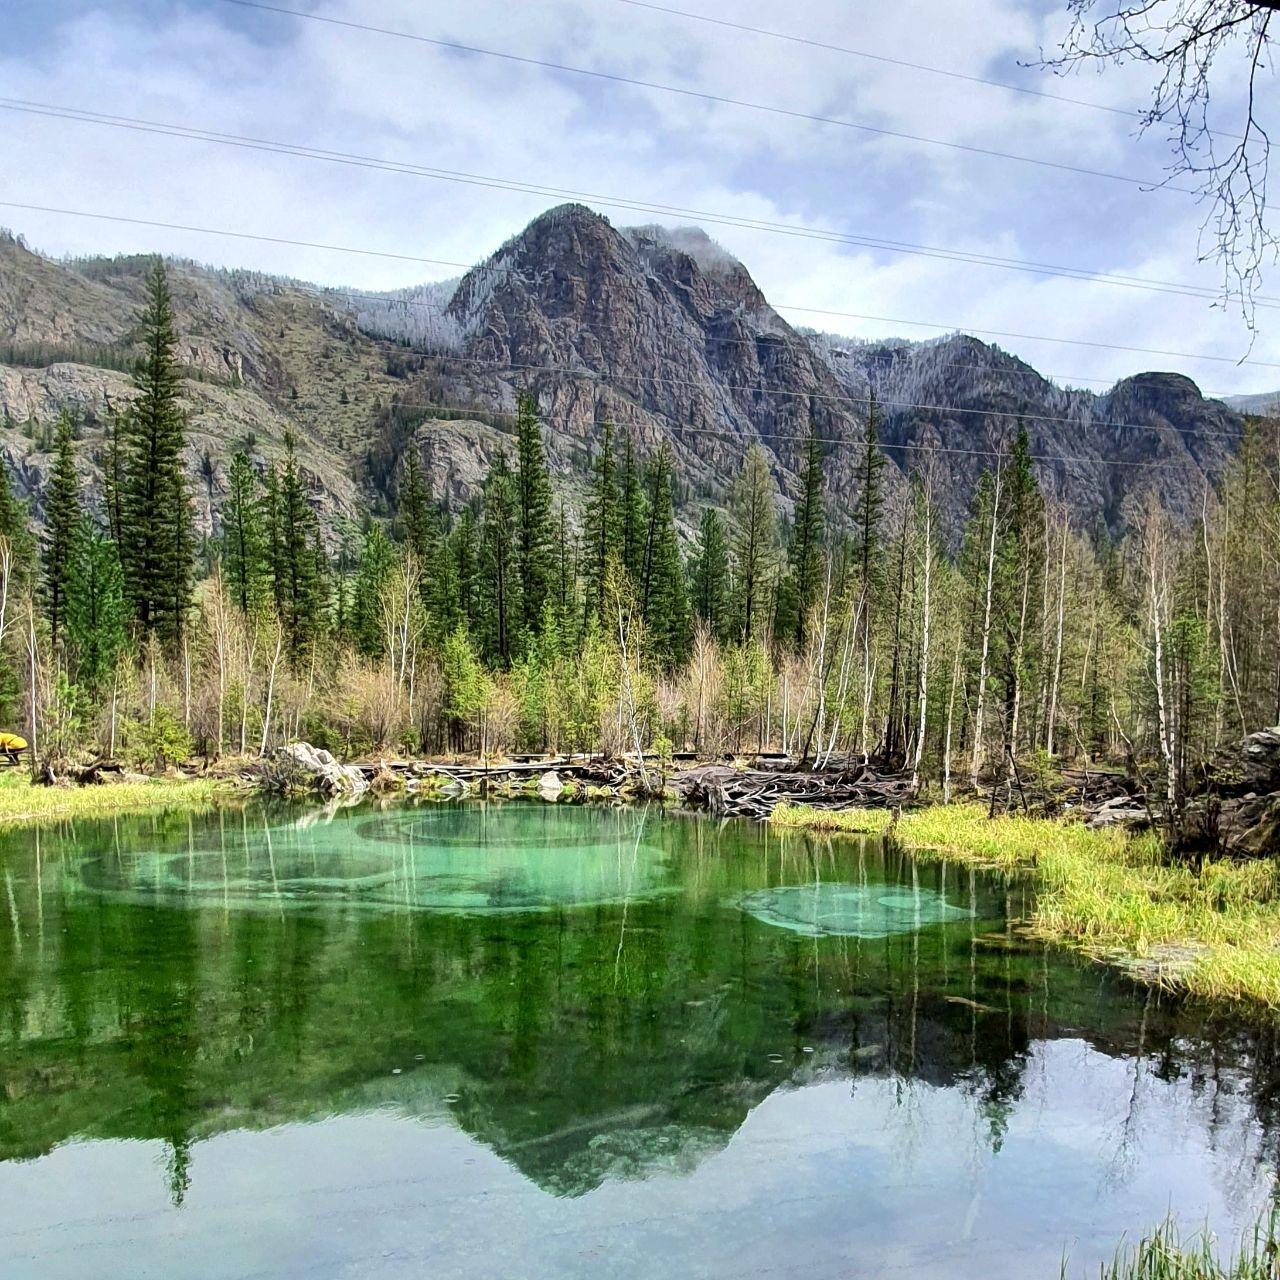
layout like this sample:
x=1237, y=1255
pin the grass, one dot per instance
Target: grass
x=1165, y=1255
x=1113, y=895
x=22, y=801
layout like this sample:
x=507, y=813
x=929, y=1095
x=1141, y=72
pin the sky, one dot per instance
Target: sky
x=225, y=68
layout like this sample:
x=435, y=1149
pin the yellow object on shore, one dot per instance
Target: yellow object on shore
x=12, y=742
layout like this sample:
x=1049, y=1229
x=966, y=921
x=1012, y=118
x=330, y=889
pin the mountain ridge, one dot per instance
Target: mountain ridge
x=660, y=330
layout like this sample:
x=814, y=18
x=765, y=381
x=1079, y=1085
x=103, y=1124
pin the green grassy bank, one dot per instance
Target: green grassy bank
x=1109, y=894
x=22, y=801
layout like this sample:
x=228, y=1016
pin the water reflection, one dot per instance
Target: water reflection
x=638, y=1069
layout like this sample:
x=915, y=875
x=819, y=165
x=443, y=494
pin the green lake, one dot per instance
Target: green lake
x=532, y=1040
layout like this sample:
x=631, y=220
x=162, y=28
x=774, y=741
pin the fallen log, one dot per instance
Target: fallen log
x=755, y=793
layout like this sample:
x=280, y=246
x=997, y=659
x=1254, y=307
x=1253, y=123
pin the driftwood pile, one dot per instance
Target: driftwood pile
x=754, y=793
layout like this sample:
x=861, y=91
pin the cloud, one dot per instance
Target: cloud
x=244, y=72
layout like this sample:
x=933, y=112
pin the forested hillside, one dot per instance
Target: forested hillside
x=847, y=622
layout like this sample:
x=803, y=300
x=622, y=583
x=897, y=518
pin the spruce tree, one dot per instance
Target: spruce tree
x=754, y=542
x=498, y=577
x=664, y=600
x=807, y=538
x=601, y=534
x=415, y=520
x=871, y=498
x=62, y=529
x=114, y=482
x=377, y=559
x=632, y=515
x=464, y=560
x=710, y=574
x=96, y=612
x=243, y=543
x=536, y=559
x=299, y=530
x=158, y=548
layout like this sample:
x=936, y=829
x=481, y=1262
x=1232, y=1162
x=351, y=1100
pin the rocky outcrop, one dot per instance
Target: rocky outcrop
x=314, y=769
x=1240, y=803
x=658, y=330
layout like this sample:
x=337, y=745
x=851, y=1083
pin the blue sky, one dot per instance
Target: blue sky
x=220, y=67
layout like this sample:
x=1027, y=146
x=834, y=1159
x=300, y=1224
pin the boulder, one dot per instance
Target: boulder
x=1240, y=799
x=549, y=785
x=321, y=771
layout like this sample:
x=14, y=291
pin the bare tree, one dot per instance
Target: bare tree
x=1190, y=45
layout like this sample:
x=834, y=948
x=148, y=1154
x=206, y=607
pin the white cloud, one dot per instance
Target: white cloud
x=243, y=72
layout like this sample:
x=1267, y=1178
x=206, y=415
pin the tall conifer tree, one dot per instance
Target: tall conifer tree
x=243, y=543
x=709, y=572
x=632, y=514
x=62, y=529
x=158, y=547
x=601, y=535
x=536, y=558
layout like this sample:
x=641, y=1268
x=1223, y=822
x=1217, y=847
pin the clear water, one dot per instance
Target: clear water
x=526, y=1040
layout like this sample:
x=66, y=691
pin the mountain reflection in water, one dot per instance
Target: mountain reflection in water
x=343, y=1040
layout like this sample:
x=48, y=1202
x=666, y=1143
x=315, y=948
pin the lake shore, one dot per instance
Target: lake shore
x=22, y=801
x=1110, y=894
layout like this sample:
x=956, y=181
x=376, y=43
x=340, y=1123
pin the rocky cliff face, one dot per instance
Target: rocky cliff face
x=659, y=331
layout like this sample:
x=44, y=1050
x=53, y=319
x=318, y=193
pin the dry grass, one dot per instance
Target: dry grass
x=1214, y=933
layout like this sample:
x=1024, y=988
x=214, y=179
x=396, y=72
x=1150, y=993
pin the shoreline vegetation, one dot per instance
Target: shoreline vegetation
x=23, y=801
x=1109, y=894
x=1166, y=1253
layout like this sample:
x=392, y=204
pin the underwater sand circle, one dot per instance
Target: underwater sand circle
x=450, y=862
x=831, y=909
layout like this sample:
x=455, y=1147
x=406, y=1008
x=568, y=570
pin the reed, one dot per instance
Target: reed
x=1166, y=1255
x=1212, y=932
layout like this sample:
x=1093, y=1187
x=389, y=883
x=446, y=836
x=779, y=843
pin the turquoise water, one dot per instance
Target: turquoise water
x=554, y=1041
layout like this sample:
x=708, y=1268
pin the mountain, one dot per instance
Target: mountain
x=1263, y=402
x=659, y=330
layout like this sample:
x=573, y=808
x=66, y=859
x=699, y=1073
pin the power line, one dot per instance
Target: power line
x=720, y=99
x=940, y=252
x=1127, y=112
x=679, y=430
x=327, y=293
x=1025, y=337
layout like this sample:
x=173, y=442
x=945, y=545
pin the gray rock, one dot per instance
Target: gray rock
x=323, y=772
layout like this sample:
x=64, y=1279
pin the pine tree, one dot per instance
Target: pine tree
x=632, y=515
x=498, y=577
x=602, y=532
x=664, y=600
x=536, y=561
x=158, y=550
x=62, y=529
x=244, y=553
x=710, y=574
x=754, y=541
x=96, y=612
